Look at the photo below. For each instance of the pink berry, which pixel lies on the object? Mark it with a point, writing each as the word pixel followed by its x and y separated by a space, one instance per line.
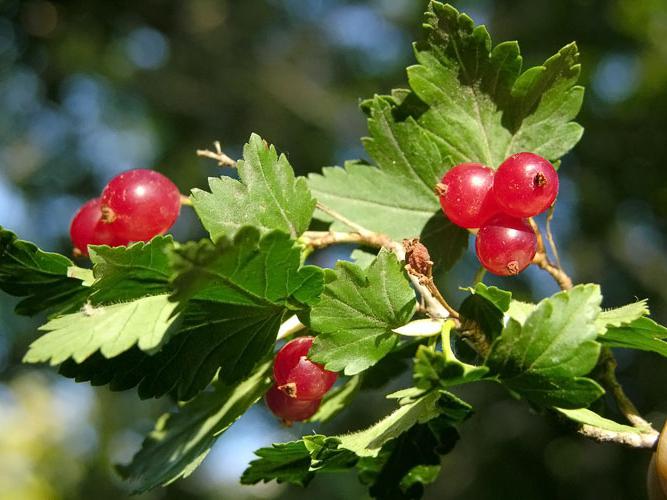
pixel 297 376
pixel 290 409
pixel 87 228
pixel 525 185
pixel 141 204
pixel 466 196
pixel 506 245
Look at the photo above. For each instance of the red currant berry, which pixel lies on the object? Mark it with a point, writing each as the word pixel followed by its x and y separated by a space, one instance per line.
pixel 465 195
pixel 289 409
pixel 87 228
pixel 297 376
pixel 141 204
pixel 506 245
pixel 525 185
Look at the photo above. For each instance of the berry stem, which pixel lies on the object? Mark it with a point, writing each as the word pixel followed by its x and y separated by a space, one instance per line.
pixel 541 260
pixel 217 155
pixel 550 236
pixel 186 201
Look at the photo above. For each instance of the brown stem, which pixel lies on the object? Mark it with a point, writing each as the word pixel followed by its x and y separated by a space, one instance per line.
pixel 561 277
pixel 625 405
pixel 217 155
pixel 550 236
pixel 631 439
pixel 323 239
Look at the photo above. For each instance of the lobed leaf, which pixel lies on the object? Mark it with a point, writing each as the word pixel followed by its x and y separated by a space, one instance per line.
pixel 267 196
pixel 545 358
pixel 182 439
pixel 643 334
pixel 42 278
pixel 357 313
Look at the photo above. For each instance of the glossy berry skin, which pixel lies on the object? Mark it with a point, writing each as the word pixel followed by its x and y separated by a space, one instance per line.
pixel 141 204
pixel 289 409
pixel 466 195
pixel 525 185
pixel 297 376
pixel 506 245
pixel 87 228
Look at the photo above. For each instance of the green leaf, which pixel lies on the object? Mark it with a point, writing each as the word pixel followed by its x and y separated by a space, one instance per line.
pixel 442 369
pixel 341 452
pixel 125 273
pixel 480 105
pixel 357 312
pixel 112 330
pixel 484 309
pixel 233 297
pixel 643 334
pixel 337 400
pixel 41 277
pixel 249 270
pixel 469 102
pixel 268 196
pixel 283 462
pixel 588 417
pixel 622 315
pixel 409 462
pixel 367 443
pixel 543 359
pixel 181 440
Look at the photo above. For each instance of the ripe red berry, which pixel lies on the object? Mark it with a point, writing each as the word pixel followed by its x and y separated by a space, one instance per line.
pixel 87 228
pixel 141 204
pixel 525 185
pixel 466 196
pixel 506 245
pixel 297 376
pixel 289 409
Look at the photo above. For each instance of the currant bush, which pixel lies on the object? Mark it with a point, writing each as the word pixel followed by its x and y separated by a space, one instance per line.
pixel 525 185
pixel 290 409
pixel 466 195
pixel 141 204
pixel 297 376
pixel 506 245
pixel 87 228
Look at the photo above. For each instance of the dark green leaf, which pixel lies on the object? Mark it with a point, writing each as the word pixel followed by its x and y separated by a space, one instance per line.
pixel 268 196
pixel 643 334
pixel 283 462
pixel 181 440
pixel 234 296
pixel 485 308
pixel 357 312
pixel 41 277
pixel 544 359
pixel 469 102
pixel 126 273
pixel 409 462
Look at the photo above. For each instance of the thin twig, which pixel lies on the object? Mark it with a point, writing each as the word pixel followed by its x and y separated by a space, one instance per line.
pixel 479 275
pixel 550 236
pixel 217 155
pixel 560 276
pixel 541 260
pixel 323 239
pixel 341 218
pixel 631 439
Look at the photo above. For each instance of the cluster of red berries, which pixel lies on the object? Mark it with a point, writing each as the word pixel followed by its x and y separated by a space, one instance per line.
pixel 299 384
pixel 134 206
pixel 498 203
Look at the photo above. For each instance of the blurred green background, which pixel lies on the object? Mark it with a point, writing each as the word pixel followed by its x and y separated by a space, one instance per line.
pixel 88 89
